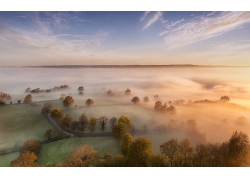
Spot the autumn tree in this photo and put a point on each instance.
(238, 149)
(102, 122)
(126, 121)
(28, 99)
(145, 99)
(74, 125)
(158, 161)
(27, 159)
(170, 150)
(56, 113)
(186, 150)
(140, 152)
(119, 130)
(112, 122)
(126, 143)
(49, 133)
(2, 102)
(68, 101)
(31, 145)
(135, 99)
(92, 124)
(66, 121)
(200, 153)
(89, 102)
(83, 122)
(128, 91)
(47, 108)
(84, 156)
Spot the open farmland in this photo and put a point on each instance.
(55, 153)
(20, 122)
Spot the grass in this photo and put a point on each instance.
(7, 158)
(19, 123)
(55, 153)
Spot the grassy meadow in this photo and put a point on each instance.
(20, 122)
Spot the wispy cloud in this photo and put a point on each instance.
(204, 27)
(144, 15)
(155, 18)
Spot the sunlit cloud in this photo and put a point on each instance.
(155, 18)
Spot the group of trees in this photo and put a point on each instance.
(139, 153)
(83, 123)
(164, 108)
(37, 90)
(28, 156)
(3, 97)
(234, 152)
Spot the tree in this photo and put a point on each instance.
(56, 113)
(110, 93)
(112, 122)
(66, 121)
(135, 99)
(170, 150)
(83, 122)
(158, 161)
(200, 153)
(186, 150)
(238, 149)
(241, 120)
(81, 93)
(2, 102)
(102, 122)
(127, 92)
(89, 102)
(68, 101)
(156, 97)
(145, 99)
(31, 145)
(74, 125)
(27, 159)
(81, 89)
(84, 156)
(126, 121)
(140, 152)
(127, 140)
(171, 109)
(47, 108)
(49, 133)
(119, 130)
(158, 106)
(18, 101)
(224, 98)
(28, 99)
(92, 124)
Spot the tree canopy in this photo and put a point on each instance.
(68, 101)
(89, 102)
(56, 113)
(92, 124)
(135, 99)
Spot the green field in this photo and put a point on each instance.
(55, 153)
(19, 123)
(7, 158)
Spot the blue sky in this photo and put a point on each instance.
(130, 37)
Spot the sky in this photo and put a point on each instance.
(34, 38)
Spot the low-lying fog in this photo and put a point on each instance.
(169, 84)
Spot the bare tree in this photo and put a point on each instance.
(103, 121)
(170, 150)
